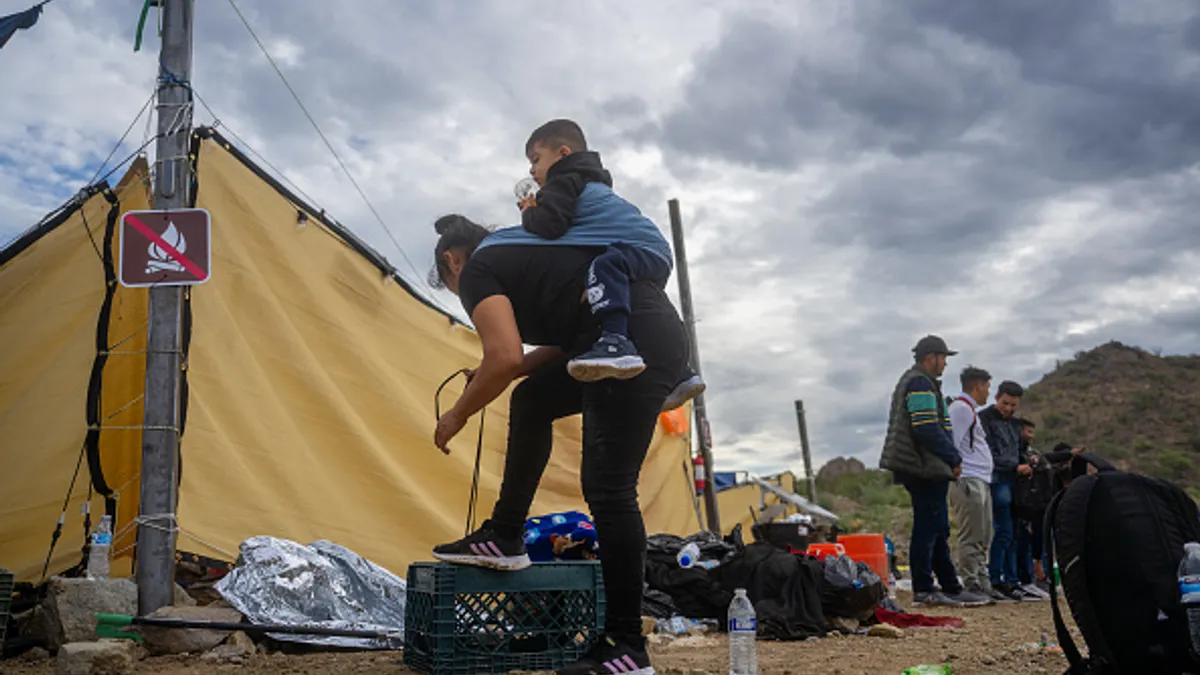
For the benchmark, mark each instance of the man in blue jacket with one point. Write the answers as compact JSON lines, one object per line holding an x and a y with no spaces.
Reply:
{"x":920,"y":452}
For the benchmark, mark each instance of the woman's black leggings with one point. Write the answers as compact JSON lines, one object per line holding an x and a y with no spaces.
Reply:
{"x":619,"y":418}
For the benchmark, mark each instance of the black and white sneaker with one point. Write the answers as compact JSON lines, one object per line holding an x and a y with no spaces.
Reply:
{"x":608,"y":657}
{"x":1000,"y":596}
{"x":689,"y":388}
{"x":485,"y":548}
{"x":934,"y":599}
{"x":612,"y":357}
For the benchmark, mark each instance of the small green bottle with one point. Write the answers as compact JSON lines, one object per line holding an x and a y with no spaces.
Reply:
{"x":926,"y":669}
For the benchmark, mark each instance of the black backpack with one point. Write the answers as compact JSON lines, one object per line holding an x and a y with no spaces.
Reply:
{"x":1032,"y":493}
{"x":1118,"y":539}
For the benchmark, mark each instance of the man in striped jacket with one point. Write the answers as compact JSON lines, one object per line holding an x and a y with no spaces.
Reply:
{"x":920,"y":452}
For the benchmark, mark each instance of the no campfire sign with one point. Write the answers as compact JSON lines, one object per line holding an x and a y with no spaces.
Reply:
{"x":165,"y":248}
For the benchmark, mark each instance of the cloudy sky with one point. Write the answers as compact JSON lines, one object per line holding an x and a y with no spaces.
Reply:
{"x":1019,"y":177}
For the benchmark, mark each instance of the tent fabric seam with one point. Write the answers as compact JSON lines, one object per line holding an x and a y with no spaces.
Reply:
{"x":57,"y":217}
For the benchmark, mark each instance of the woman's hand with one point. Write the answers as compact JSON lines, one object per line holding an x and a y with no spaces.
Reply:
{"x":502,"y":361}
{"x":447,"y":428}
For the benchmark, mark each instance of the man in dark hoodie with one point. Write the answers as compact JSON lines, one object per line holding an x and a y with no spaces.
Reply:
{"x":921,"y":455}
{"x":1008,"y":460}
{"x":576,"y":205}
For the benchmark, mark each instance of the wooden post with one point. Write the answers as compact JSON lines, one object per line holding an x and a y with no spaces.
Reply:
{"x":701,"y":413}
{"x":810,"y":477}
{"x":160,"y":437}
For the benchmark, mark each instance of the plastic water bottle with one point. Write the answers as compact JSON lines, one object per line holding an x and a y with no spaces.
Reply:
{"x":688,"y":555}
{"x":743,"y":629}
{"x":1189,"y":589}
{"x":98,"y":555}
{"x":525,"y":191}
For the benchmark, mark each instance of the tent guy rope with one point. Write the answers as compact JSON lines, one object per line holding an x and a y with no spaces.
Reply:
{"x":375,"y":212}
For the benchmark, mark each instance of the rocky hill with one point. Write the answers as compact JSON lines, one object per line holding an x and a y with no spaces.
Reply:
{"x":1139,"y":410}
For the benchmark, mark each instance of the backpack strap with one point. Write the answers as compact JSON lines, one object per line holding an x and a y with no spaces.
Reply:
{"x":974,"y":419}
{"x":1102,"y":465}
{"x":1078,"y":665}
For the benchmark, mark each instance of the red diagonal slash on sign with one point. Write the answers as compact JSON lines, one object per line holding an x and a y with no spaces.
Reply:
{"x":162,"y":243}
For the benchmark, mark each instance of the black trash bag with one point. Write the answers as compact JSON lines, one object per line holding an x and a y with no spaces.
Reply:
{"x":693,"y":591}
{"x":785,"y":590}
{"x":666,"y":547}
{"x":851,"y":589}
{"x":657,"y":604}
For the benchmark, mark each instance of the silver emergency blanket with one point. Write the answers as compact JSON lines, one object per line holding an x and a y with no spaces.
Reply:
{"x":282,"y":582}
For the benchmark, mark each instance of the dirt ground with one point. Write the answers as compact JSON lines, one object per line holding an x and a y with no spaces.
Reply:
{"x":997,"y":639}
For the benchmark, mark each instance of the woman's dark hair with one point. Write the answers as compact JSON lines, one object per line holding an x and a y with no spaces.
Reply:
{"x":456,"y":232}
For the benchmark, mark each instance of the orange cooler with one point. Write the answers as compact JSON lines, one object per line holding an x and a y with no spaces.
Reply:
{"x":869,"y":549}
{"x":819,"y":551}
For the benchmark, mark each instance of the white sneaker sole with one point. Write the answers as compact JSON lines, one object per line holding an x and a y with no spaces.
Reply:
{"x":620,"y":368}
{"x":683,"y":394}
{"x":1033,"y":595}
{"x":977,"y":603}
{"x":504,"y":564}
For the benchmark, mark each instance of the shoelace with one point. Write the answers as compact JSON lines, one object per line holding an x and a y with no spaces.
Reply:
{"x":437,"y":412}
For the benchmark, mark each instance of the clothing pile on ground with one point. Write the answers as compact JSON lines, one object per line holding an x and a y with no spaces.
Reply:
{"x":794,"y":595}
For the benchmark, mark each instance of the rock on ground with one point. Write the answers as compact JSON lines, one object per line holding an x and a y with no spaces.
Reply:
{"x":186,"y":640}
{"x":68,"y":611}
{"x":884,"y":630}
{"x":106,"y":657}
{"x":70,"y":606}
{"x":35,"y":655}
{"x":236,"y":649}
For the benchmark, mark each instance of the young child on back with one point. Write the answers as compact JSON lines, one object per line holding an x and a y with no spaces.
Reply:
{"x":576,"y":203}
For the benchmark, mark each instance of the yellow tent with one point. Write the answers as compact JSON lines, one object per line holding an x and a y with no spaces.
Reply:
{"x":310,"y":374}
{"x":744,"y":504}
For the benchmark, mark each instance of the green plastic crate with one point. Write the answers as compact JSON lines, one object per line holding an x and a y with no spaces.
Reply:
{"x":6,"y":589}
{"x":461,"y":619}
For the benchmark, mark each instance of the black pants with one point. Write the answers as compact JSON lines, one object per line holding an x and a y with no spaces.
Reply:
{"x":929,"y":552}
{"x":610,"y":277}
{"x":619,"y":418}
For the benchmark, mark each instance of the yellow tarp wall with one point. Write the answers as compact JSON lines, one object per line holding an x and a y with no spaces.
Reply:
{"x":311,"y":379}
{"x":50,"y":299}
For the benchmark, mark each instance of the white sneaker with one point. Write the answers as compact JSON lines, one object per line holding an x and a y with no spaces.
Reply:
{"x":1034,"y":592}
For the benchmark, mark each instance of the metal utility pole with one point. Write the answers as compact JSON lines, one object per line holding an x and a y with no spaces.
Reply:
{"x":160,"y":437}
{"x":810,"y":477}
{"x":685,"y":299}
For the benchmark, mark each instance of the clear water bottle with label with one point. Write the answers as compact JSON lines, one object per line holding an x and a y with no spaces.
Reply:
{"x":688,"y":555}
{"x":98,"y":554}
{"x":743,"y":629}
{"x":1189,"y":589}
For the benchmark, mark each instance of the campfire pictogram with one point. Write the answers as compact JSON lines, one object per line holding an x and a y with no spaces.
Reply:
{"x":160,"y":260}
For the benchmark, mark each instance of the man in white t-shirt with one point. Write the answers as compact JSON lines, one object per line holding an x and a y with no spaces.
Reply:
{"x":971,"y":495}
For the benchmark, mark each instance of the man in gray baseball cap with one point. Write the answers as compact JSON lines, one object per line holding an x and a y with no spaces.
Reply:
{"x":920,"y":452}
